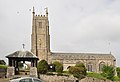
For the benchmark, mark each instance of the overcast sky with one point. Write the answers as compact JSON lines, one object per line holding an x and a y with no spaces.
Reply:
{"x":75,"y":25}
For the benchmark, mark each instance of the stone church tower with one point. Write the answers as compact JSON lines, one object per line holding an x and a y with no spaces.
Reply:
{"x":40,"y":42}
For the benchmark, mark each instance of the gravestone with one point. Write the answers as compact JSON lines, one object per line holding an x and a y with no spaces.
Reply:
{"x":33,"y":72}
{"x":10,"y":71}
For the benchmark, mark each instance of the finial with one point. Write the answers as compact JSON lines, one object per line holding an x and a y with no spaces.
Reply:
{"x":110,"y":52}
{"x":33,"y":10}
{"x":46,"y":11}
{"x":23,"y":46}
{"x":109,"y":47}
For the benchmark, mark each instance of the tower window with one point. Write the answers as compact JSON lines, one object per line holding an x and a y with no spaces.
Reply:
{"x":40,"y":24}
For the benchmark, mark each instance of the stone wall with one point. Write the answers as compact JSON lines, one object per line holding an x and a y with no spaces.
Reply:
{"x":33,"y":71}
{"x":3,"y":72}
{"x":55,"y":78}
{"x":10,"y":71}
{"x":89,"y":79}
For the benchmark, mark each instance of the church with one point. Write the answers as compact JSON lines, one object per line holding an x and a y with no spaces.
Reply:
{"x":40,"y":46}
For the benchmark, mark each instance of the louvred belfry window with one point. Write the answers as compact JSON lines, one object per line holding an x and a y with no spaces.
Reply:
{"x":40,"y":24}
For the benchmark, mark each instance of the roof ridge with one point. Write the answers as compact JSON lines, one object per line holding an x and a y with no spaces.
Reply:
{"x":81,"y":53}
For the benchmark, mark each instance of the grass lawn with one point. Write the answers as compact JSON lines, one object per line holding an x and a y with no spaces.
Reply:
{"x":99,"y":76}
{"x":95,"y":75}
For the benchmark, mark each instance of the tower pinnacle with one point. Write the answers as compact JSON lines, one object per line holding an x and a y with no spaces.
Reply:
{"x":46,"y":11}
{"x":33,"y":10}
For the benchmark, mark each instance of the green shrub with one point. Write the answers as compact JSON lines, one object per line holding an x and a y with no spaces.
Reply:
{"x":20,"y":65}
{"x":58,"y":67}
{"x":3,"y":71}
{"x":82,"y":68}
{"x":71,"y":69}
{"x":108,"y":72}
{"x":42,"y":67}
{"x":116,"y":78}
{"x":78,"y":71}
{"x":118,"y":71}
{"x":2,"y":62}
{"x":80,"y":65}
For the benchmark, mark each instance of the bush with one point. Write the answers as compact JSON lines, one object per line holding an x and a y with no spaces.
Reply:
{"x":116,"y":78}
{"x":71,"y":69}
{"x":3,"y":70}
{"x":82,"y":68}
{"x":118,"y":71}
{"x":42,"y":67}
{"x":108,"y":72}
{"x":2,"y":62}
{"x":20,"y":64}
{"x":78,"y":71}
{"x":58,"y":67}
{"x":80,"y":65}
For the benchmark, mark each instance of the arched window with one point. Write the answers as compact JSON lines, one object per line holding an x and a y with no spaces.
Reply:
{"x":101,"y":65}
{"x":90,"y":67}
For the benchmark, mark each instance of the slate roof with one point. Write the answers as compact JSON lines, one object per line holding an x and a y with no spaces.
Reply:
{"x":81,"y":56}
{"x":22,"y":54}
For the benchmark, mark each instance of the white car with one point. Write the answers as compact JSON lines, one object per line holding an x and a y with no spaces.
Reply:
{"x":25,"y":79}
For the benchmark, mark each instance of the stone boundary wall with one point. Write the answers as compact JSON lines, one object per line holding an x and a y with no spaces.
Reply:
{"x":90,"y":79}
{"x":55,"y":78}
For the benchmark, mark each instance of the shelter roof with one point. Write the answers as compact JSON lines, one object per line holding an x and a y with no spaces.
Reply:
{"x":22,"y":54}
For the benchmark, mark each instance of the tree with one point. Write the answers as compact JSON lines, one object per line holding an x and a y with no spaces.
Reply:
{"x":78,"y":71}
{"x":118,"y":71}
{"x":42,"y":67}
{"x":20,"y":64}
{"x":108,"y":72}
{"x":82,"y":67}
{"x":75,"y":71}
{"x":58,"y":66}
{"x":2,"y":62}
